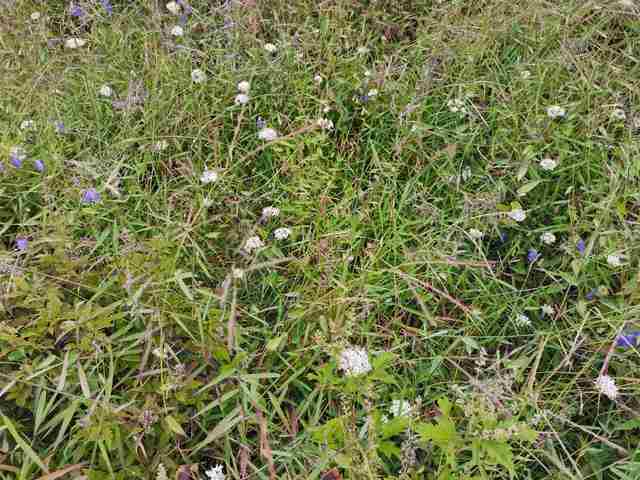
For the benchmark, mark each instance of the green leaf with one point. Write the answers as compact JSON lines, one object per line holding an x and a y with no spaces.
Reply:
{"x":273,"y":345}
{"x":527,"y":187}
{"x":389,"y":449}
{"x":394,"y":427}
{"x":630,"y":424}
{"x":174,"y":426}
{"x":23,"y":445}
{"x":499,"y":453}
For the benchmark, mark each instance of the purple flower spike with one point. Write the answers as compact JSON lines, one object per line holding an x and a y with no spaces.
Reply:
{"x":22,"y":244}
{"x":106,"y":4}
{"x":38,"y":165}
{"x":90,"y":196}
{"x":581,"y":246}
{"x":628,"y":340}
{"x":533,"y":255}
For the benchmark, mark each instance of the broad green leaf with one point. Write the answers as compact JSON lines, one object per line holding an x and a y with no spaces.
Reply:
{"x":500,"y":453}
{"x":174,"y":426}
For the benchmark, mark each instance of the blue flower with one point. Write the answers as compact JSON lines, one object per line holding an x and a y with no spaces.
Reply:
{"x":90,"y":196}
{"x":260,"y":123}
{"x":22,"y":243}
{"x":503,"y":236}
{"x":591,"y":295}
{"x":628,"y":340}
{"x":38,"y":165}
{"x":59,"y":127}
{"x":106,"y":4}
{"x":76,"y":10}
{"x":17,"y":156}
{"x":533,"y":255}
{"x":581,"y":246}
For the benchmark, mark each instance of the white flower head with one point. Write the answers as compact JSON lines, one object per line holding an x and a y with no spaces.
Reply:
{"x":615,"y":260}
{"x":268,"y":134}
{"x":548,"y":164}
{"x":215,"y":473}
{"x":318,"y":79}
{"x":522,"y":320}
{"x":198,"y":76}
{"x":456,"y":105}
{"x":400,"y":408}
{"x":174,"y":7}
{"x":362,"y":50}
{"x":253,"y":243}
{"x":548,"y":238}
{"x":619,"y":114}
{"x":270,"y":47}
{"x":476,"y":234}
{"x":556,"y":111}
{"x":18,"y":153}
{"x":372,"y":93}
{"x":269,"y":212}
{"x":282,"y":233}
{"x":177,"y":31}
{"x":325,"y":124}
{"x":547,"y":310}
{"x":354,"y":361}
{"x":244,"y":86}
{"x":28,"y":125}
{"x":241,"y":99}
{"x":35,"y":16}
{"x":208,"y":176}
{"x":105,"y":91}
{"x":607,"y":386}
{"x":74,"y":42}
{"x":519,"y":215}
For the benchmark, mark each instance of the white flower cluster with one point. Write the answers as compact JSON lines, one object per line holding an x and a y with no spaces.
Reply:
{"x":198,"y":76}
{"x":607,"y":386}
{"x":242,"y":98}
{"x":354,"y":361}
{"x":208,"y":176}
{"x":519,"y":215}
{"x":215,"y":473}
{"x":400,"y":408}
{"x":253,"y":243}
{"x":548,"y":238}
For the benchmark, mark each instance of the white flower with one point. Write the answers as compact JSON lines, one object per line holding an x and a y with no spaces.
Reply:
{"x":518,"y":215}
{"x":325,"y":124}
{"x":244,"y":86}
{"x":522,"y":320}
{"x":174,"y":7}
{"x":556,"y":111}
{"x":476,"y":234}
{"x":270,"y":47}
{"x":318,"y":79}
{"x":547,"y":310}
{"x":354,"y":361}
{"x":208,"y":176}
{"x":215,"y":473}
{"x":105,"y":91}
{"x":548,"y":238}
{"x":237,"y":273}
{"x":548,"y":164}
{"x":362,"y":50}
{"x":198,"y":76}
{"x":74,"y":42}
{"x":177,"y":31}
{"x":400,"y":408}
{"x":160,"y":352}
{"x":267,"y":134}
{"x":614,"y":260}
{"x":28,"y":125}
{"x":207,"y":202}
{"x":35,"y":16}
{"x":18,"y":153}
{"x":456,"y":105}
{"x":373,"y":92}
{"x":619,"y":114}
{"x":282,"y":233}
{"x":607,"y":386}
{"x":253,"y":243}
{"x":241,"y":99}
{"x":268,"y":212}
{"x":525,"y":74}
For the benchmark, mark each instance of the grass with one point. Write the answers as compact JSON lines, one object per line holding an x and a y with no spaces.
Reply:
{"x":139,"y":339}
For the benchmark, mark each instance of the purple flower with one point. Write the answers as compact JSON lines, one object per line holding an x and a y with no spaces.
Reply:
{"x":17,"y":156}
{"x":38,"y":165}
{"x":59,"y":127}
{"x":503,"y":236}
{"x":186,"y":8}
{"x":260,"y":123}
{"x":581,"y":246}
{"x":592,"y":294}
{"x":90,"y":195}
{"x":22,"y":243}
{"x":628,"y":340}
{"x":533,"y":255}
{"x":76,"y":10}
{"x":106,"y":4}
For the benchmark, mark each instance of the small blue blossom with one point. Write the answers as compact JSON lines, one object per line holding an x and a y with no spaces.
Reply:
{"x":628,"y":340}
{"x":59,"y":127}
{"x":581,"y":246}
{"x":38,"y":165}
{"x":533,"y":255}
{"x":22,"y":244}
{"x":503,"y":236}
{"x":76,"y":10}
{"x":260,"y":123}
{"x":106,"y":4}
{"x":592,"y":294}
{"x":90,"y":196}
{"x":16,"y":156}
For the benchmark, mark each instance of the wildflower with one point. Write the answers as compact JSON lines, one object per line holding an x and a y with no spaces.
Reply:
{"x":455,"y":105}
{"x":522,"y":320}
{"x":253,"y":243}
{"x":209,"y":176}
{"x":161,"y":473}
{"x":74,"y":42}
{"x":354,"y":361}
{"x":270,"y":47}
{"x":548,"y":238}
{"x":90,"y":196}
{"x":547,"y":310}
{"x":614,"y":260}
{"x":59,"y":127}
{"x":106,"y":4}
{"x":268,"y":134}
{"x":619,"y":114}
{"x":362,"y":50}
{"x":318,"y":79}
{"x":628,"y":340}
{"x":174,"y":7}
{"x":607,"y":386}
{"x":518,"y":215}
{"x":269,"y":212}
{"x":105,"y":91}
{"x":177,"y":31}
{"x":372,"y":93}
{"x":27,"y":125}
{"x":282,"y":233}
{"x":325,"y":124}
{"x":16,"y":156}
{"x":244,"y":86}
{"x":476,"y":234}
{"x":38,"y":165}
{"x":22,"y":244}
{"x":533,"y":255}
{"x":35,"y":16}
{"x":581,"y":246}
{"x":76,"y":10}
{"x":237,"y":273}
{"x":198,"y":76}
{"x":400,"y":408}
{"x":548,"y":164}
{"x":556,"y":111}
{"x":241,"y":99}
{"x":260,"y":123}
{"x":215,"y":473}
{"x":590,"y":295}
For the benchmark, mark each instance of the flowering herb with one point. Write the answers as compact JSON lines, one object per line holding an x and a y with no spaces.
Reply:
{"x":22,"y":244}
{"x":38,"y":165}
{"x":533,"y":255}
{"x":106,"y":4}
{"x":17,"y":156}
{"x":628,"y":340}
{"x":90,"y":196}
{"x":581,"y":246}
{"x":59,"y":127}
{"x":77,"y":11}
